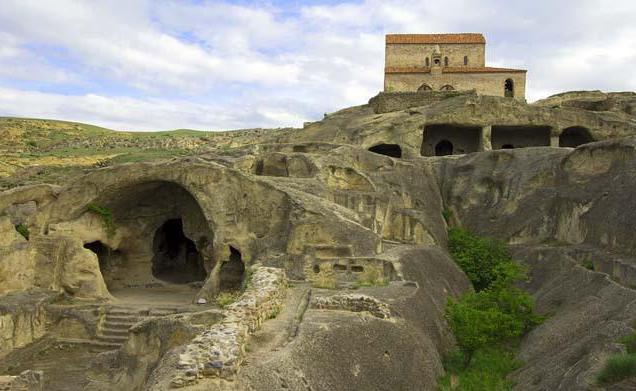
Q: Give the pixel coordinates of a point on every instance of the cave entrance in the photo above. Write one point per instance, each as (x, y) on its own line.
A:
(574, 136)
(520, 136)
(449, 139)
(109, 260)
(444, 148)
(391, 150)
(176, 258)
(232, 272)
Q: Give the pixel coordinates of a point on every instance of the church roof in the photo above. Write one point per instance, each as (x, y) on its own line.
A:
(436, 38)
(453, 70)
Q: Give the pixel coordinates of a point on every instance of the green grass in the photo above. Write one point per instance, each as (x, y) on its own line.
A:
(107, 218)
(486, 371)
(371, 276)
(224, 299)
(618, 367)
(630, 342)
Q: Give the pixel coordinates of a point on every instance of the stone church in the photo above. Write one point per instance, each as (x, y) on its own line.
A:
(446, 62)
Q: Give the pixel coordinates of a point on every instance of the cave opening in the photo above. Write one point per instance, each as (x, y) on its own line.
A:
(232, 272)
(444, 148)
(109, 259)
(574, 136)
(391, 150)
(176, 258)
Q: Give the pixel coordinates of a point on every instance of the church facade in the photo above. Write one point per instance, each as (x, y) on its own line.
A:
(447, 62)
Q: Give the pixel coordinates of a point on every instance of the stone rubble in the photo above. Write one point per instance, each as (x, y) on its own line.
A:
(354, 303)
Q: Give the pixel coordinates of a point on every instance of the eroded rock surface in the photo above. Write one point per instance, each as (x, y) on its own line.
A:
(342, 224)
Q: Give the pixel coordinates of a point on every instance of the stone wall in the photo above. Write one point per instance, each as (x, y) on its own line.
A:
(219, 351)
(484, 83)
(415, 54)
(386, 102)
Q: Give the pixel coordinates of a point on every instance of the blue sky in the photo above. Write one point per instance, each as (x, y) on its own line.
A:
(213, 65)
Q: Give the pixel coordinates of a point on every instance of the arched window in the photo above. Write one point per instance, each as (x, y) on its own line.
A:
(447, 87)
(509, 88)
(425, 87)
(427, 61)
(445, 61)
(436, 61)
(465, 60)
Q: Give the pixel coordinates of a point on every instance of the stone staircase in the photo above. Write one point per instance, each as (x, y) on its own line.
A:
(112, 330)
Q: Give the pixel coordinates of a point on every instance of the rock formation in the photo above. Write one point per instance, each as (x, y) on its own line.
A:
(335, 236)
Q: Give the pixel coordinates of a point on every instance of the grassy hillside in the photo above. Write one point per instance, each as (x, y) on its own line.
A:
(41, 150)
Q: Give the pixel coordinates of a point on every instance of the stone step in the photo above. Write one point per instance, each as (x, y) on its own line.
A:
(100, 345)
(113, 339)
(113, 332)
(117, 325)
(122, 318)
(125, 311)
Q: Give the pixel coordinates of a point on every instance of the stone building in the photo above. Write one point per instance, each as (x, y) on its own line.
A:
(446, 62)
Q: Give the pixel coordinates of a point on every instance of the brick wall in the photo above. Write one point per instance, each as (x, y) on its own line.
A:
(483, 83)
(415, 54)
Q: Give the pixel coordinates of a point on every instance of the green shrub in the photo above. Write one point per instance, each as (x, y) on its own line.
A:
(483, 260)
(480, 319)
(106, 216)
(487, 371)
(23, 230)
(630, 342)
(489, 321)
(618, 367)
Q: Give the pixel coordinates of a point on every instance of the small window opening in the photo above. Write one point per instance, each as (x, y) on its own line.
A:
(391, 150)
(507, 146)
(436, 61)
(357, 269)
(427, 61)
(465, 60)
(340, 268)
(316, 268)
(445, 61)
(509, 89)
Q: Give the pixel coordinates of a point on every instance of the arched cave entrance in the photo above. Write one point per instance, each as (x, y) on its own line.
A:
(176, 258)
(392, 150)
(232, 272)
(574, 136)
(444, 148)
(449, 139)
(424, 87)
(164, 243)
(509, 88)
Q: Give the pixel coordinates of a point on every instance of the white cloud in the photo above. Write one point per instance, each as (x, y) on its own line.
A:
(212, 64)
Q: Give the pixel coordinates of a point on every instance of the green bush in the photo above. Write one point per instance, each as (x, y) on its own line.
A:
(617, 368)
(23, 230)
(480, 319)
(489, 321)
(485, 261)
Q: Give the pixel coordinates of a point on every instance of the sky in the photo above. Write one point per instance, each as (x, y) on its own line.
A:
(216, 65)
